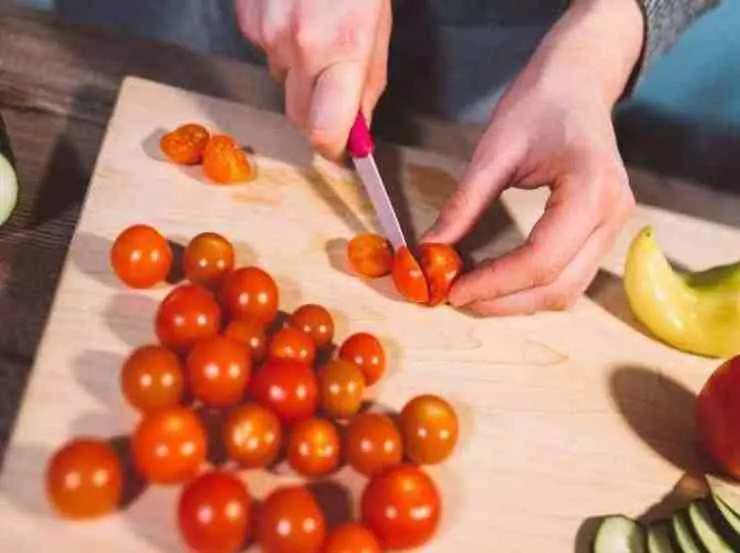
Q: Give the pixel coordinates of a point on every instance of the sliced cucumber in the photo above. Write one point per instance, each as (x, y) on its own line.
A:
(619, 534)
(708, 535)
(726, 520)
(659, 538)
(8, 189)
(683, 539)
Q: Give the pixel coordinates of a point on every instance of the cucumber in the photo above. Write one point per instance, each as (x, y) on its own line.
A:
(619, 534)
(683, 539)
(659, 538)
(8, 177)
(726, 520)
(708, 535)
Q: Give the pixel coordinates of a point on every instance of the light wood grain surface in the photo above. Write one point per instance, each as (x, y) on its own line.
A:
(565, 416)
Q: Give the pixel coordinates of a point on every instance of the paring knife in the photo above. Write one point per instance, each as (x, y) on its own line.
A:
(361, 146)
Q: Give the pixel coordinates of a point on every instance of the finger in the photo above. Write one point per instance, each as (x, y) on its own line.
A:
(248, 17)
(275, 31)
(377, 74)
(298, 90)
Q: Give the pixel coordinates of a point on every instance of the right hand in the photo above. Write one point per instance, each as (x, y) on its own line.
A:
(331, 55)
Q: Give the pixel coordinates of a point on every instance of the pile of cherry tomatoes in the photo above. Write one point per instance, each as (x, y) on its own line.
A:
(287, 391)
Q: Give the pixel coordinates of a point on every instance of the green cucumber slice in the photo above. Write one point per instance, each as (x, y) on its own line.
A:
(619, 534)
(659, 538)
(8, 189)
(727, 521)
(683, 539)
(708, 535)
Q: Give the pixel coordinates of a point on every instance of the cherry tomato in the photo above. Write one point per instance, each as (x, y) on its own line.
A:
(441, 265)
(430, 429)
(352, 537)
(152, 377)
(313, 447)
(250, 333)
(409, 278)
(214, 513)
(218, 371)
(225, 162)
(291, 522)
(365, 351)
(141, 257)
(188, 314)
(251, 293)
(84, 479)
(252, 435)
(370, 255)
(288, 388)
(402, 507)
(315, 321)
(341, 388)
(373, 443)
(169, 445)
(208, 258)
(185, 144)
(292, 344)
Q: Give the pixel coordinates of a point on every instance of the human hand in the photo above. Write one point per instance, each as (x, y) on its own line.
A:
(551, 128)
(331, 56)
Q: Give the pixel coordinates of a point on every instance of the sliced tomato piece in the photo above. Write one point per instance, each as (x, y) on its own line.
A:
(441, 264)
(409, 277)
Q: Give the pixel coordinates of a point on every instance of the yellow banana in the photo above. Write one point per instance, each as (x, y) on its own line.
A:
(697, 312)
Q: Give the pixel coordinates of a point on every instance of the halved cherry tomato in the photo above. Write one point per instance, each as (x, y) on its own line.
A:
(214, 513)
(316, 321)
(370, 255)
(169, 445)
(365, 351)
(185, 144)
(250, 333)
(84, 479)
(152, 377)
(250, 293)
(430, 429)
(441, 265)
(409, 277)
(252, 436)
(291, 521)
(373, 443)
(288, 388)
(188, 314)
(225, 162)
(208, 258)
(141, 257)
(341, 388)
(313, 447)
(292, 344)
(218, 371)
(402, 507)
(352, 537)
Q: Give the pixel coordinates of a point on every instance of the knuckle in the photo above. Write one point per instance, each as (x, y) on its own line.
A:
(307, 40)
(558, 300)
(270, 37)
(544, 269)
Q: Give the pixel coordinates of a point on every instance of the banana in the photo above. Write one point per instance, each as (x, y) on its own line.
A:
(696, 312)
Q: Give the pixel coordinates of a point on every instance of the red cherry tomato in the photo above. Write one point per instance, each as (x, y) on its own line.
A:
(370, 255)
(208, 258)
(313, 447)
(214, 513)
(441, 265)
(141, 257)
(250, 293)
(185, 144)
(373, 443)
(252, 436)
(291, 522)
(169, 445)
(225, 162)
(152, 377)
(218, 371)
(250, 333)
(187, 315)
(288, 388)
(402, 507)
(352, 537)
(365, 351)
(409, 278)
(292, 344)
(341, 388)
(430, 429)
(316, 321)
(84, 479)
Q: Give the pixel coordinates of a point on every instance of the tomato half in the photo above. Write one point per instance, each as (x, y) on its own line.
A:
(185, 144)
(313, 447)
(208, 258)
(352, 537)
(441, 265)
(370, 255)
(250, 293)
(288, 388)
(316, 321)
(250, 333)
(409, 278)
(188, 314)
(218, 371)
(365, 351)
(292, 344)
(291, 521)
(252, 435)
(430, 429)
(341, 388)
(141, 257)
(373, 443)
(225, 162)
(152, 377)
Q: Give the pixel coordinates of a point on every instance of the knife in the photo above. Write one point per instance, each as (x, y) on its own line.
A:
(361, 146)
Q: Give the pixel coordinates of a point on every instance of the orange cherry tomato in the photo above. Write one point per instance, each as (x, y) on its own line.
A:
(188, 314)
(152, 377)
(225, 162)
(169, 445)
(341, 388)
(250, 333)
(218, 371)
(185, 144)
(141, 257)
(409, 278)
(365, 351)
(352, 537)
(288, 388)
(430, 429)
(373, 443)
(250, 293)
(291, 522)
(84, 479)
(370, 255)
(402, 507)
(208, 258)
(252, 435)
(441, 265)
(292, 344)
(313, 447)
(214, 513)
(316, 321)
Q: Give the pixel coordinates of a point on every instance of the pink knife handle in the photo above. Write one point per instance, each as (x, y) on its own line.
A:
(360, 143)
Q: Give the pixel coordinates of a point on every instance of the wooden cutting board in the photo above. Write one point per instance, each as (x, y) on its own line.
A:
(564, 416)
